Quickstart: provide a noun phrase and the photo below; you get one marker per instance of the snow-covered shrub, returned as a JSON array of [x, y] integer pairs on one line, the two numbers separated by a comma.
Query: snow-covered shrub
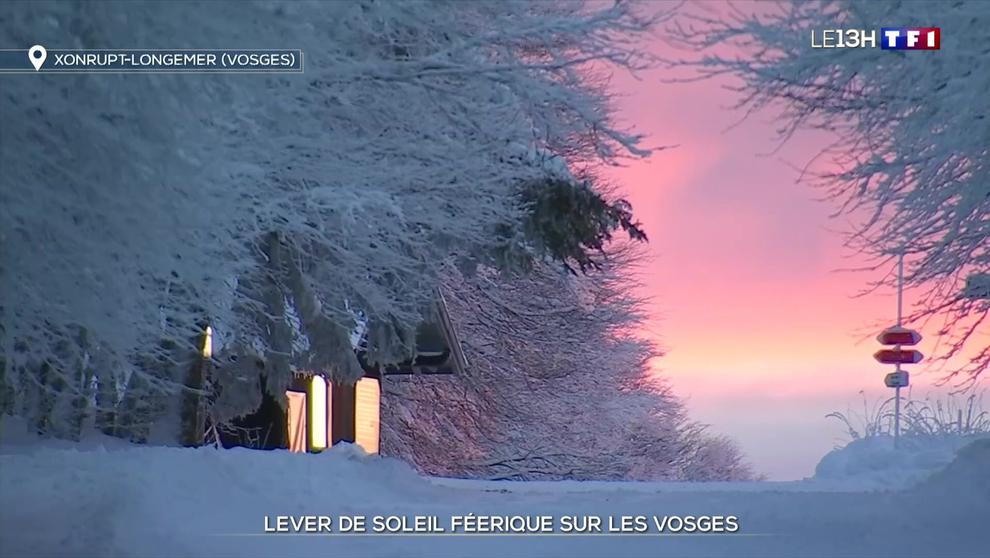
[[876, 460], [715, 458], [952, 414], [933, 429], [558, 387]]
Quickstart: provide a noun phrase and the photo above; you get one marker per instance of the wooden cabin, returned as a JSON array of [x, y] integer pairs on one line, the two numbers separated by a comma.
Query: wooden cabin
[[321, 412]]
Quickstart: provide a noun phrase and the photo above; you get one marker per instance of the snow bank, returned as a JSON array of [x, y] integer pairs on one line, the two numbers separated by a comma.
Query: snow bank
[[16, 437], [137, 501], [158, 501], [875, 462], [965, 482]]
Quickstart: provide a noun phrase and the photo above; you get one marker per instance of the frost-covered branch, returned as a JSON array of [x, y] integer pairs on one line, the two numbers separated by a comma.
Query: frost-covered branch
[[910, 164], [138, 206], [559, 387]]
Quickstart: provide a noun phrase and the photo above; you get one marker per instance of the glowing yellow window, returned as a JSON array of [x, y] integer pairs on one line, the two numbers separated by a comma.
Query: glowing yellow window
[[367, 414], [318, 413]]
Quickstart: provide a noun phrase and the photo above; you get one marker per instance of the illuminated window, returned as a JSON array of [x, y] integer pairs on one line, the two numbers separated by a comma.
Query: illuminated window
[[318, 416], [367, 411], [296, 420], [208, 343]]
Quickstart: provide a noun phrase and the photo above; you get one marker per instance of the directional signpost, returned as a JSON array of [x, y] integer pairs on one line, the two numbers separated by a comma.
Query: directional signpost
[[896, 379], [898, 336], [897, 355]]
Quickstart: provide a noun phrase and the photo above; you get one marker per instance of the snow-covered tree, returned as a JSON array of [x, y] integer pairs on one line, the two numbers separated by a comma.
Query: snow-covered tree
[[281, 210], [559, 386], [910, 163]]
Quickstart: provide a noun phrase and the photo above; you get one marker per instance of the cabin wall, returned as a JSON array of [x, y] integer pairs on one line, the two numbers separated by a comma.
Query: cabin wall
[[342, 413]]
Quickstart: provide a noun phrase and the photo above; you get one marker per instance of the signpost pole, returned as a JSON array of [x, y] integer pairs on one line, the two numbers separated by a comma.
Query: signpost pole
[[898, 337], [897, 412], [897, 390]]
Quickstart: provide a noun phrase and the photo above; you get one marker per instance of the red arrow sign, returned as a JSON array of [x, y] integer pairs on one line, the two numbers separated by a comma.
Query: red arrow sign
[[899, 336], [898, 356]]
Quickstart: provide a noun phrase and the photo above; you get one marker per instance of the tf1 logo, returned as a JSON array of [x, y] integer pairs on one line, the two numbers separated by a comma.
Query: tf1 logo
[[890, 38], [910, 38]]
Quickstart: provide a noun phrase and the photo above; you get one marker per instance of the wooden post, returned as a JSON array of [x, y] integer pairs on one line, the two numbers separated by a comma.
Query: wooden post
[[367, 414], [342, 411], [194, 404]]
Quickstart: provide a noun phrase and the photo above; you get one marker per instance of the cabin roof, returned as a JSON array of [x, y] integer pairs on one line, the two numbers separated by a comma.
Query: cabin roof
[[438, 347], [450, 334]]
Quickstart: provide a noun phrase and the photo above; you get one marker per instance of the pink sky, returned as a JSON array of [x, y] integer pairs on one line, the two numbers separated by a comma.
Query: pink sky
[[763, 334]]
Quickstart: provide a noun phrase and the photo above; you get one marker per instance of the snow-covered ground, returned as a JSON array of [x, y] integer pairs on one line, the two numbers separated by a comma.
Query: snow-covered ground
[[105, 498]]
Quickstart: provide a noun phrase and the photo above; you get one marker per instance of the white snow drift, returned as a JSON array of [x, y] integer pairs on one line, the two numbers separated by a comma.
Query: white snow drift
[[118, 500]]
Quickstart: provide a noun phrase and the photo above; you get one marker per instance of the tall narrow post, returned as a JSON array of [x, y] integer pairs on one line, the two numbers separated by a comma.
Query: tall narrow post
[[194, 404], [897, 413], [900, 308], [900, 288]]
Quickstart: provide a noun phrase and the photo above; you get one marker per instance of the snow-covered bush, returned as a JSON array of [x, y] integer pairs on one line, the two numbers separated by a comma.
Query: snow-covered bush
[[558, 387], [933, 429], [950, 414], [279, 209], [876, 461]]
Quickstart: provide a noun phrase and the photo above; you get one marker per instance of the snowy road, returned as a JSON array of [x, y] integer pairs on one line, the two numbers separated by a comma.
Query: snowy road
[[178, 502]]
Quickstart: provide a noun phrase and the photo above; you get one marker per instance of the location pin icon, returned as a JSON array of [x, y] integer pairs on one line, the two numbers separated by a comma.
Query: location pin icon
[[37, 54]]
